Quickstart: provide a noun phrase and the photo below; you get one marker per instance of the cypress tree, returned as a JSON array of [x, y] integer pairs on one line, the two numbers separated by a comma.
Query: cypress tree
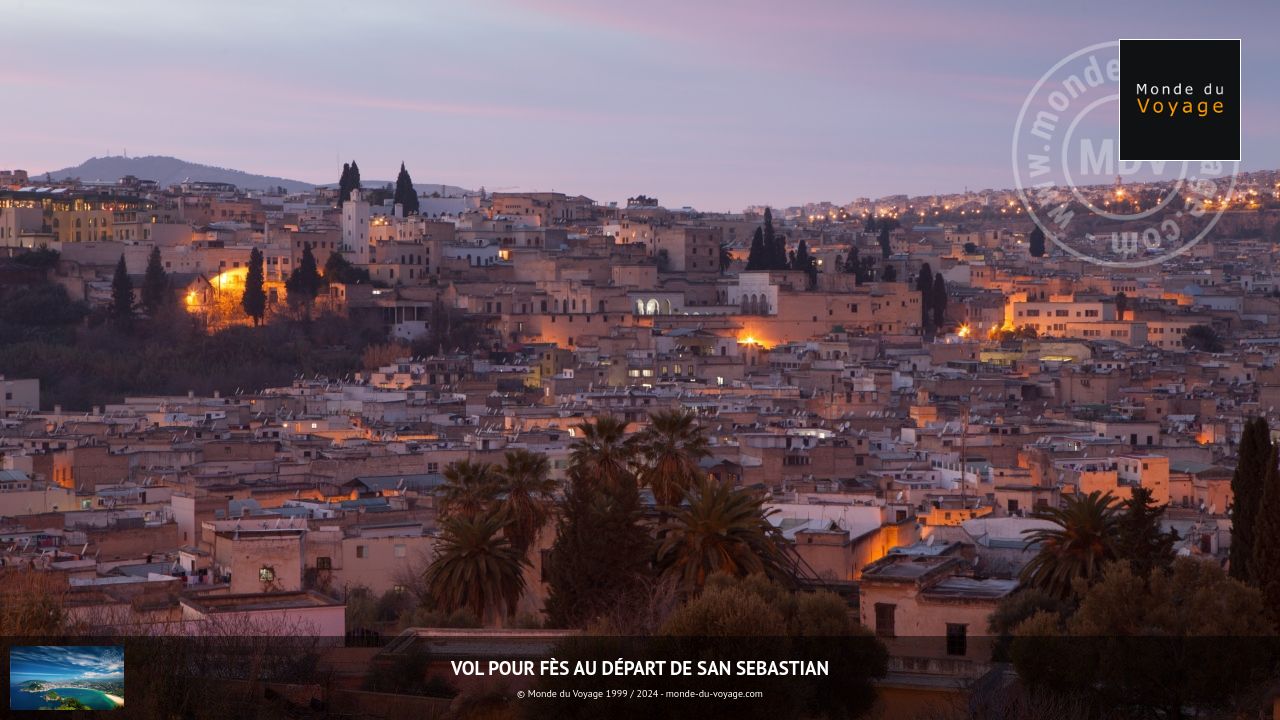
[[355, 177], [939, 300], [756, 259], [889, 274], [1265, 564], [121, 307], [405, 195], [304, 282], [1036, 242], [601, 555], [885, 249], [924, 285], [155, 284], [775, 248], [1246, 488], [254, 300], [344, 183]]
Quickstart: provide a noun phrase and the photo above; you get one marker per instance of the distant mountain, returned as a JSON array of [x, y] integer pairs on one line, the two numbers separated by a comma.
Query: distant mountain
[[168, 171]]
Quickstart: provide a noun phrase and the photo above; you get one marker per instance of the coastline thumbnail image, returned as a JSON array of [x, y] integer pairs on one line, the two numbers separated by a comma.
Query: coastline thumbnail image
[[71, 677]]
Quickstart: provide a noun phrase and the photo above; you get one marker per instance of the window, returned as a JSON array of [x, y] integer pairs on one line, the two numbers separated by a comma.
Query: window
[[360, 552], [399, 551], [267, 574], [957, 639], [884, 619], [324, 563]]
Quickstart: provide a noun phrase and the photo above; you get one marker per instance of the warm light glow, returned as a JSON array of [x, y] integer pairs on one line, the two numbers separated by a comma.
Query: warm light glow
[[964, 331]]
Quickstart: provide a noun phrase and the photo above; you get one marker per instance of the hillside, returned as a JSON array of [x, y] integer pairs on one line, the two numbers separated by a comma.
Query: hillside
[[170, 171]]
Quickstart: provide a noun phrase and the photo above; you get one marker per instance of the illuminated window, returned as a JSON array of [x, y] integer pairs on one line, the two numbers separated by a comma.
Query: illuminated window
[[267, 574]]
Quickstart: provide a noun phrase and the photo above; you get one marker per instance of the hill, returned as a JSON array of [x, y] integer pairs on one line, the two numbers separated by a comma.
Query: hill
[[168, 171]]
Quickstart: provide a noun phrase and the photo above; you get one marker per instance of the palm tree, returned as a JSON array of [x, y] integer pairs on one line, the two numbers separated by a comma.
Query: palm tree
[[720, 529], [469, 488], [1083, 541], [602, 454], [671, 447], [476, 566], [526, 495]]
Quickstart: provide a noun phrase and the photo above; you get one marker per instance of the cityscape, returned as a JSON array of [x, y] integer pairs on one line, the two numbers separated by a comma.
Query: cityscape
[[407, 440]]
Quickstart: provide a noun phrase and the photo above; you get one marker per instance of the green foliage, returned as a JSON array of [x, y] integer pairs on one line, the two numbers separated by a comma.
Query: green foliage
[[970, 249], [938, 300], [768, 249], [469, 489], [526, 496], [406, 196], [1265, 567], [1083, 541], [254, 299], [1246, 488], [1035, 242], [170, 354], [1140, 540], [1203, 338], [602, 555], [39, 257], [886, 249], [156, 292], [476, 567], [890, 273], [121, 307], [720, 529], [337, 269], [304, 283], [1182, 638], [349, 181], [671, 447]]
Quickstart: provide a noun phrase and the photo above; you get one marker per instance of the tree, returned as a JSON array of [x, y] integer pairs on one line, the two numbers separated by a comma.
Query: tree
[[889, 274], [1140, 540], [602, 455], [1266, 541], [775, 246], [885, 248], [1190, 637], [602, 555], [671, 447], [726, 258], [721, 529], [121, 307], [924, 285], [476, 567], [406, 196], [1083, 541], [1246, 489], [349, 181], [155, 284], [469, 488], [756, 258], [254, 300], [1203, 338], [526, 496], [1035, 242], [1122, 302], [304, 282], [938, 299], [337, 269], [970, 249]]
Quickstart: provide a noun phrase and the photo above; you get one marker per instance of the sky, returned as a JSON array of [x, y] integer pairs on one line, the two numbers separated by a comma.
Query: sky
[[71, 662], [707, 103]]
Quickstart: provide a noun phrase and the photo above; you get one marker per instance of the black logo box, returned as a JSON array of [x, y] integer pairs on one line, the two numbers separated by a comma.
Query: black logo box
[[1186, 65]]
